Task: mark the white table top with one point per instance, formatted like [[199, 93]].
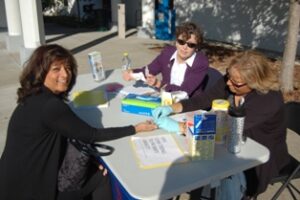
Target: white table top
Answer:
[[162, 182]]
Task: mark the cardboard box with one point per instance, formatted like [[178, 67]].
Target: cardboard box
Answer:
[[140, 104], [201, 136], [95, 61]]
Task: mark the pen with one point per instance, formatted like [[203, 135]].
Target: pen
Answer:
[[147, 71]]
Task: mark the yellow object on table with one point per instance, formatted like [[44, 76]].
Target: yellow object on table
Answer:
[[220, 108], [91, 98]]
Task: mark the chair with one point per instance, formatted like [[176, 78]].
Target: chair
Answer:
[[292, 170], [212, 76]]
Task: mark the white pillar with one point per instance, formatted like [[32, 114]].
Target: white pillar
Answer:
[[33, 27], [148, 10], [14, 37], [121, 21]]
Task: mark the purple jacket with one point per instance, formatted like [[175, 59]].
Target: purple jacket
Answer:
[[194, 75]]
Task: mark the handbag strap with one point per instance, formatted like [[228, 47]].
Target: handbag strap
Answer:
[[93, 149]]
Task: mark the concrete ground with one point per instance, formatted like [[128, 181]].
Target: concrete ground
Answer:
[[81, 42]]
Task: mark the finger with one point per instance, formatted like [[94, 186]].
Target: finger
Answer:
[[104, 172], [150, 76], [150, 122], [101, 167], [150, 80]]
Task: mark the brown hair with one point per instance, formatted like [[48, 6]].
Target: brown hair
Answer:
[[187, 29], [256, 71], [36, 68]]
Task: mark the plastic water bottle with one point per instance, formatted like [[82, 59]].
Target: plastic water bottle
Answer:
[[126, 62]]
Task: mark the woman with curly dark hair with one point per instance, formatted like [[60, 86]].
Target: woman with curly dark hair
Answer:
[[40, 125], [32, 77]]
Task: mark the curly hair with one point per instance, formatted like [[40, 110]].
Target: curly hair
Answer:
[[256, 71], [187, 29], [36, 68]]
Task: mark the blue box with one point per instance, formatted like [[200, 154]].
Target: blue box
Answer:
[[204, 124], [140, 104]]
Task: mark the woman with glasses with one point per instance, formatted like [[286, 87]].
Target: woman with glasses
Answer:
[[182, 67], [251, 78]]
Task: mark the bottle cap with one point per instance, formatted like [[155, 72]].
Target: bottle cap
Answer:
[[125, 54], [220, 104]]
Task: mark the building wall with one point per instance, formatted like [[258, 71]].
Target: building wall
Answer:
[[2, 15], [133, 13], [253, 23]]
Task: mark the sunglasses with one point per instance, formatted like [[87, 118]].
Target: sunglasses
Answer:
[[190, 45], [232, 82]]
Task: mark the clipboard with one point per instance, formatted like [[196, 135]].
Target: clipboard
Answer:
[[157, 151]]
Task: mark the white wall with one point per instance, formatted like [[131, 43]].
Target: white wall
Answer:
[[253, 23]]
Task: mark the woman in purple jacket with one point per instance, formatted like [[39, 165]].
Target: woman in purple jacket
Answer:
[[182, 67]]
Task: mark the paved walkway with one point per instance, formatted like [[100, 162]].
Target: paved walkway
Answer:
[[81, 42]]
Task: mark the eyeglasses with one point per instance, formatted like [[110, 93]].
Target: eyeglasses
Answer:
[[232, 82], [237, 85], [189, 44]]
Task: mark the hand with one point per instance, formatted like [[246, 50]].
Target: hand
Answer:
[[151, 80], [168, 124], [126, 74], [161, 111], [145, 126], [101, 168]]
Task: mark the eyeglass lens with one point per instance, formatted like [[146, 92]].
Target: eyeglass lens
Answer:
[[189, 44], [232, 82]]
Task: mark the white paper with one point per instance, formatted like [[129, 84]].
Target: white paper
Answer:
[[179, 95], [157, 150], [138, 76], [136, 90]]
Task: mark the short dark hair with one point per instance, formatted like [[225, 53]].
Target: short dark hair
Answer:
[[36, 68], [188, 28]]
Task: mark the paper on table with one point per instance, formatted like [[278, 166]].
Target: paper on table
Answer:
[[157, 151], [138, 76], [93, 98], [136, 90]]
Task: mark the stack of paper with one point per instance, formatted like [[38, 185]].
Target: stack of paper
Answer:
[[157, 151], [93, 98], [136, 90]]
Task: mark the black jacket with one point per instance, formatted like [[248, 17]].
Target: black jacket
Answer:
[[34, 149]]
